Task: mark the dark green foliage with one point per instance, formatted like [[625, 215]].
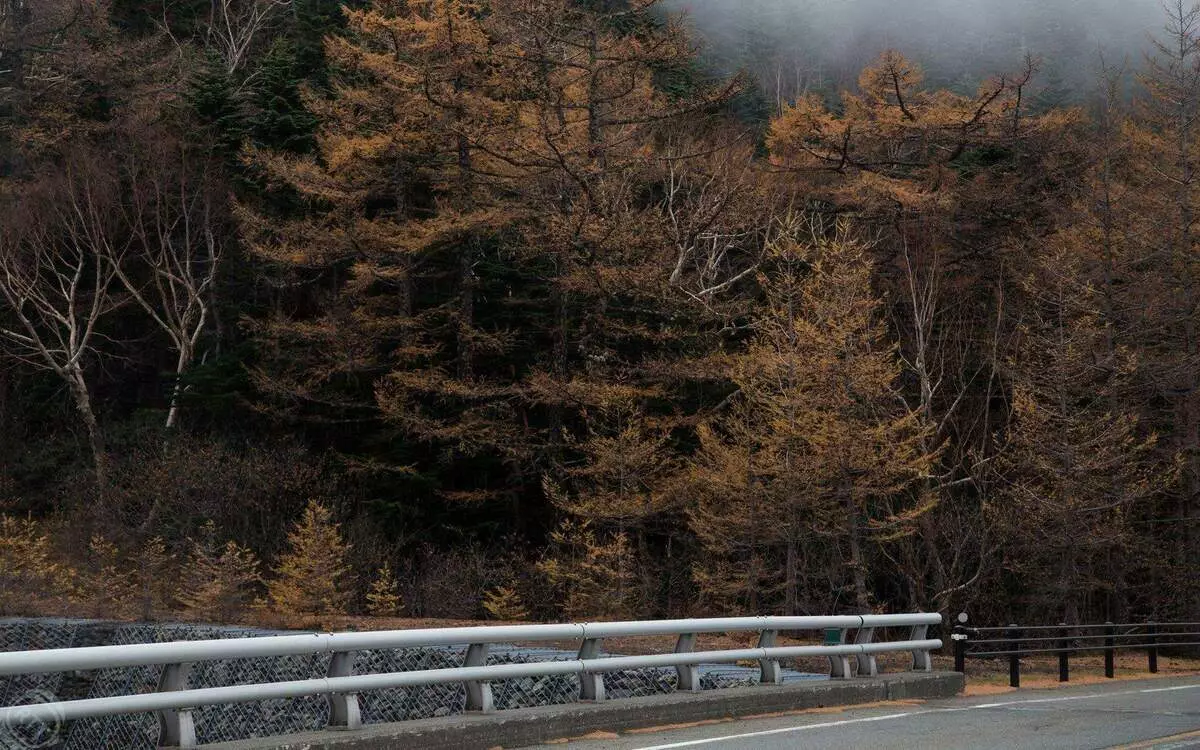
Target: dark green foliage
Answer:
[[280, 121], [313, 21], [183, 18], [212, 93]]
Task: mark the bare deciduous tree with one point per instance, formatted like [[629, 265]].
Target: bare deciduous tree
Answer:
[[701, 207], [235, 24], [175, 220], [56, 278]]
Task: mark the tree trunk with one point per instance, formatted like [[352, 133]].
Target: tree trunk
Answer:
[[185, 358], [83, 402], [466, 311], [858, 565], [792, 593]]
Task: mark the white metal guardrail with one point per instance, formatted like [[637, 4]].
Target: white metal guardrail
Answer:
[[174, 700]]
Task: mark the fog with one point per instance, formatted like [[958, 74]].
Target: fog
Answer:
[[797, 45]]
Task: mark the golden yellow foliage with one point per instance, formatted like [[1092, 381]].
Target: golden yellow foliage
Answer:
[[504, 603], [312, 577], [592, 573], [817, 445], [383, 597], [155, 576], [32, 580], [220, 582], [109, 587]]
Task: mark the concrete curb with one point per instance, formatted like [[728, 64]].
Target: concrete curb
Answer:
[[532, 726]]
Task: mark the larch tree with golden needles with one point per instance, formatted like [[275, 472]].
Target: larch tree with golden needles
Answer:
[[1077, 464], [1165, 158], [403, 226], [822, 453], [156, 579], [110, 586], [504, 603], [32, 578], [383, 596], [948, 185], [312, 577], [621, 480], [592, 145], [221, 581], [591, 572]]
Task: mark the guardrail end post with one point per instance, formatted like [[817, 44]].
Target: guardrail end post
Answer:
[[960, 636], [867, 665], [921, 660], [1064, 663], [1014, 658], [479, 694], [688, 675], [1152, 650], [591, 686], [769, 671], [1109, 631], [176, 726], [344, 712]]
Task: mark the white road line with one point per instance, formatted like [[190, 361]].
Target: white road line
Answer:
[[908, 714], [785, 730]]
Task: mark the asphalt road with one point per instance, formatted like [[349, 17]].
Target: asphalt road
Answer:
[[1163, 714]]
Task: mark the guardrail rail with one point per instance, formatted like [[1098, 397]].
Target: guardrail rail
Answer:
[[174, 700], [1015, 641]]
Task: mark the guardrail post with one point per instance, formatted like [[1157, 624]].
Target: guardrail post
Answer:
[[867, 666], [1063, 643], [1152, 650], [1014, 658], [688, 674], [839, 664], [176, 727], [591, 686], [344, 712], [1109, 631], [922, 661], [769, 671], [479, 694]]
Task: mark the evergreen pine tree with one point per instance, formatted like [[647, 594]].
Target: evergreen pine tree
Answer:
[[214, 100], [314, 21], [280, 120]]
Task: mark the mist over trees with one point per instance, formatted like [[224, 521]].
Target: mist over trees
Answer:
[[795, 46], [582, 308]]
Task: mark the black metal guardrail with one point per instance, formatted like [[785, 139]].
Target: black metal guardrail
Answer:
[[1015, 641]]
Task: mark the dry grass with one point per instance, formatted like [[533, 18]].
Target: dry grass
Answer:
[[990, 676]]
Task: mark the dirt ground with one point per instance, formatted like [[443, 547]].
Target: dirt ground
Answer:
[[990, 676]]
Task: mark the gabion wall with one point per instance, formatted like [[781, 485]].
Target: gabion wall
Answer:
[[277, 717]]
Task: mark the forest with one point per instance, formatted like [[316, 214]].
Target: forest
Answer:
[[565, 309]]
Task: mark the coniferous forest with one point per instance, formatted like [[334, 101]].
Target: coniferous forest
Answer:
[[542, 309]]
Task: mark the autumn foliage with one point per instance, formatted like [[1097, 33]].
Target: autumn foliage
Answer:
[[523, 310]]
